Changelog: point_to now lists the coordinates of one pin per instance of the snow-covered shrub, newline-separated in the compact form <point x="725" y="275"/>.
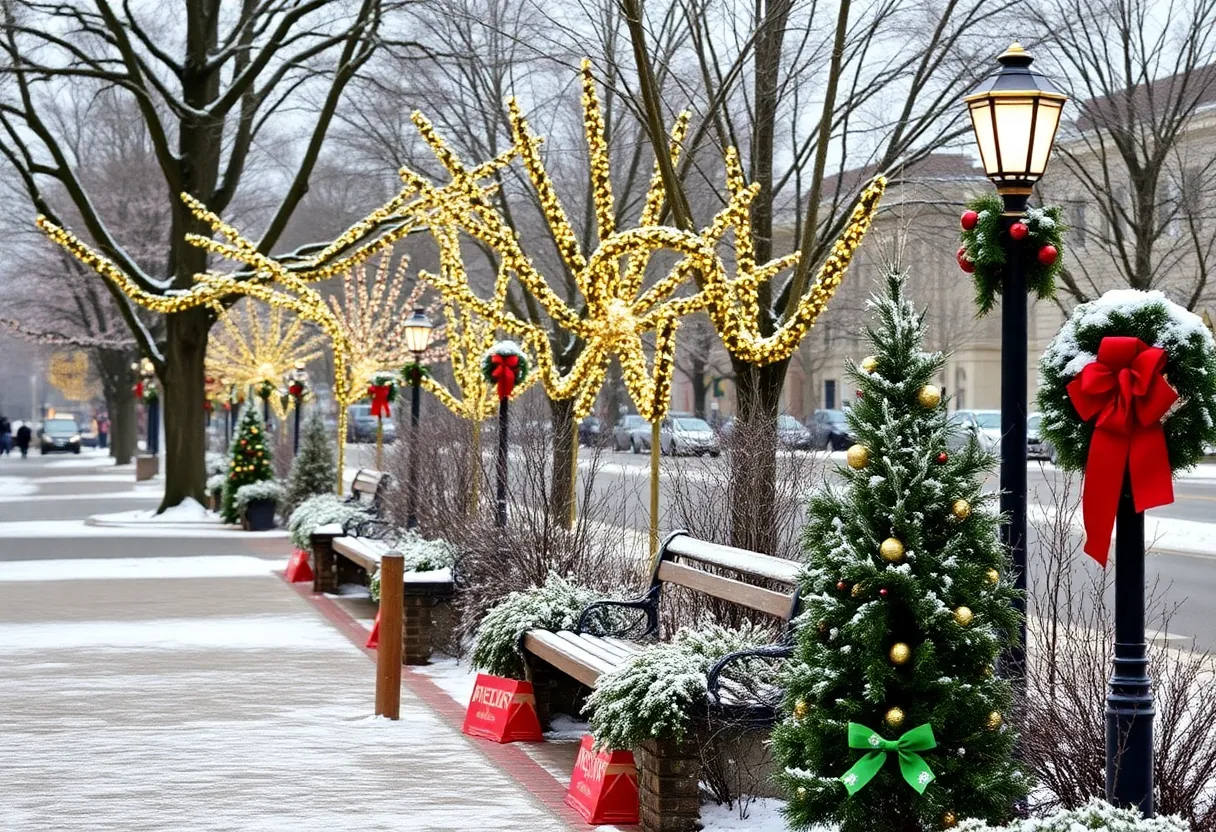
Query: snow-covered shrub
<point x="1097" y="815"/>
<point x="319" y="511"/>
<point x="264" y="490"/>
<point x="216" y="464"/>
<point x="554" y="606"/>
<point x="656" y="693"/>
<point x="420" y="554"/>
<point x="215" y="484"/>
<point x="314" y="469"/>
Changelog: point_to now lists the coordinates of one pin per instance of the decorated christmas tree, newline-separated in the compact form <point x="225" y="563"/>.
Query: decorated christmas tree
<point x="896" y="718"/>
<point x="250" y="463"/>
<point x="313" y="471"/>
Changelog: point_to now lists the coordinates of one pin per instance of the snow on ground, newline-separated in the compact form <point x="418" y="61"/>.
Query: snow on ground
<point x="90" y="459"/>
<point x="253" y="632"/>
<point x="188" y="512"/>
<point x="83" y="528"/>
<point x="133" y="494"/>
<point x="1161" y="533"/>
<point x="15" y="487"/>
<point x="763" y="815"/>
<point x="94" y="569"/>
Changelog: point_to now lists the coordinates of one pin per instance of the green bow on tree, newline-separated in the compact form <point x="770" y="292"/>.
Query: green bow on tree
<point x="913" y="767"/>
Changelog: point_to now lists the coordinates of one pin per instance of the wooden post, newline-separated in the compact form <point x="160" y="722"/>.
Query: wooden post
<point x="388" y="654"/>
<point x="379" y="443"/>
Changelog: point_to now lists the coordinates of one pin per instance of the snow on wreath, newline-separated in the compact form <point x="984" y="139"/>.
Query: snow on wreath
<point x="505" y="364"/>
<point x="1175" y="352"/>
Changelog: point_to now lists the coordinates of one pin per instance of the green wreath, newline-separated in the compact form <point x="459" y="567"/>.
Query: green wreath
<point x="266" y="389"/>
<point x="151" y="394"/>
<point x="408" y="372"/>
<point x="504" y="348"/>
<point x="385" y="379"/>
<point x="982" y="252"/>
<point x="1190" y="368"/>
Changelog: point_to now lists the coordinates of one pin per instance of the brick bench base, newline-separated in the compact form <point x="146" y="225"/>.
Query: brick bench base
<point x="669" y="786"/>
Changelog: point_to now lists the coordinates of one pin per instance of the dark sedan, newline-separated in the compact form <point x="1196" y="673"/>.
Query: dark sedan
<point x="60" y="436"/>
<point x="830" y="430"/>
<point x="622" y="434"/>
<point x="589" y="432"/>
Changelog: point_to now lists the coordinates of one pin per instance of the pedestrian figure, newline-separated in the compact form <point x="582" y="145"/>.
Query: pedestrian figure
<point x="23" y="440"/>
<point x="103" y="430"/>
<point x="6" y="435"/>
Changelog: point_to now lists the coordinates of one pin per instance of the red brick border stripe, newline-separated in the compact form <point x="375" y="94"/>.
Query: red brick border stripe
<point x="508" y="758"/>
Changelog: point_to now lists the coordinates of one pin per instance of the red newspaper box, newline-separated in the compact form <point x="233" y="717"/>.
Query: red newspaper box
<point x="502" y="710"/>
<point x="604" y="785"/>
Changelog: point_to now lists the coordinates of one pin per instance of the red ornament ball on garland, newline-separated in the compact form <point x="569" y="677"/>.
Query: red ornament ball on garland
<point x="1048" y="255"/>
<point x="941" y="458"/>
<point x="970" y="219"/>
<point x="884" y="592"/>
<point x="842" y="586"/>
<point x="1019" y="231"/>
<point x="859" y="393"/>
<point x="964" y="263"/>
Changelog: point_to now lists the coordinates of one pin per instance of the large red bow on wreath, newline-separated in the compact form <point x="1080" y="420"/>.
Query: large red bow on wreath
<point x="138" y="390"/>
<point x="379" y="394"/>
<point x="502" y="370"/>
<point x="1127" y="393"/>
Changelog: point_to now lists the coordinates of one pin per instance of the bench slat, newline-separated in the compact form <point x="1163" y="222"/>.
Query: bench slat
<point x="594" y="645"/>
<point x="566" y="657"/>
<point x="366" y="553"/>
<point x="740" y="560"/>
<point x="764" y="600"/>
<point x="617" y="647"/>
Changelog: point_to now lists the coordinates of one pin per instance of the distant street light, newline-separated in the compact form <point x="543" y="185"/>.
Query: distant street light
<point x="418" y="330"/>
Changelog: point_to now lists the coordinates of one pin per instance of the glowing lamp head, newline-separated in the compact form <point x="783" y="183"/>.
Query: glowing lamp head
<point x="1015" y="113"/>
<point x="418" y="331"/>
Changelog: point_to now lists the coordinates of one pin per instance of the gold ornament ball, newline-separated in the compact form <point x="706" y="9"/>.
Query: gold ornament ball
<point x="892" y="550"/>
<point x="961" y="509"/>
<point x="894" y="717"/>
<point x="869" y="364"/>
<point x="949" y="819"/>
<point x="994" y="721"/>
<point x="963" y="616"/>
<point x="929" y="396"/>
<point x="988" y="672"/>
<point x="802" y="791"/>
<point x="800" y="709"/>
<point x="857" y="591"/>
<point x="899" y="653"/>
<point x="858" y="456"/>
<point x="993" y="576"/>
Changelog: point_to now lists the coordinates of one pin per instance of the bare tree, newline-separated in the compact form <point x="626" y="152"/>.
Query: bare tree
<point x="1140" y="183"/>
<point x="883" y="82"/>
<point x="209" y="87"/>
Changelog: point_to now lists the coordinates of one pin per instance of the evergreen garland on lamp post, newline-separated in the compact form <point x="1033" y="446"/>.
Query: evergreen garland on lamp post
<point x="1128" y="397"/>
<point x="504" y="365"/>
<point x="297" y="388"/>
<point x="417" y="331"/>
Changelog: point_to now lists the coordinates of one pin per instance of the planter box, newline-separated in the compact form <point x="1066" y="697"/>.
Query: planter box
<point x="259" y="515"/>
<point x="147" y="466"/>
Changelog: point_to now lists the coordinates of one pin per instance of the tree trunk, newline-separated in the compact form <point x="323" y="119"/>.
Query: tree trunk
<point x="182" y="381"/>
<point x="563" y="423"/>
<point x="120" y="402"/>
<point x="753" y="469"/>
<point x="700" y="395"/>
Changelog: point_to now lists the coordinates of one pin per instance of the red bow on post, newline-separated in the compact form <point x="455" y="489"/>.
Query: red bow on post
<point x="379" y="394"/>
<point x="1127" y="393"/>
<point x="138" y="390"/>
<point x="502" y="370"/>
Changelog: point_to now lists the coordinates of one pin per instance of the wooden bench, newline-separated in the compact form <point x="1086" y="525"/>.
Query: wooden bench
<point x="760" y="583"/>
<point x="369" y="486"/>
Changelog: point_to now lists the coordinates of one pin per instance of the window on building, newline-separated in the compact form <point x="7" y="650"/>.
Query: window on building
<point x="829" y="394"/>
<point x="1192" y="197"/>
<point x="1078" y="223"/>
<point x="1169" y="203"/>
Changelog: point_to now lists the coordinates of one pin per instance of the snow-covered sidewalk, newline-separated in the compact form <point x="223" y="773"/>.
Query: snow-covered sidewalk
<point x="203" y="694"/>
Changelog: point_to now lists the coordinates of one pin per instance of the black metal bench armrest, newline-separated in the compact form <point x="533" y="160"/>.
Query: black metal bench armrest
<point x="775" y="651"/>
<point x="374" y="528"/>
<point x="648" y="603"/>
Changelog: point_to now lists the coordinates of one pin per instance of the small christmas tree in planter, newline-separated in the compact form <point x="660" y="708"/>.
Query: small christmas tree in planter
<point x="314" y="470"/>
<point x="908" y="603"/>
<point x="250" y="461"/>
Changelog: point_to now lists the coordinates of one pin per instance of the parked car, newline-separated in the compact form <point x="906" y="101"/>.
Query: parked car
<point x="984" y="425"/>
<point x="829" y="430"/>
<point x="639" y="436"/>
<point x="361" y="425"/>
<point x="59" y="435"/>
<point x="589" y="431"/>
<point x="687" y="435"/>
<point x="1036" y="446"/>
<point x="790" y="433"/>
<point x="622" y="433"/>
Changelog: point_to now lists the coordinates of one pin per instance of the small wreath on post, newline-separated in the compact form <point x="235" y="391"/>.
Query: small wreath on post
<point x="1128" y="385"/>
<point x="266" y="389"/>
<point x="297" y="389"/>
<point x="505" y="364"/>
<point x="414" y="372"/>
<point x="149" y="394"/>
<point x="982" y="254"/>
<point x="383" y="392"/>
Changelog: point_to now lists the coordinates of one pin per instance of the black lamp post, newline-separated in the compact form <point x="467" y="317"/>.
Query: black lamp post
<point x="148" y="375"/>
<point x="417" y="338"/>
<point x="297" y="383"/>
<point x="1015" y="113"/>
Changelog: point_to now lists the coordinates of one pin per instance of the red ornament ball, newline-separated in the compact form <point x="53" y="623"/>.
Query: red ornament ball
<point x="1019" y="231"/>
<point x="963" y="262"/>
<point x="884" y="592"/>
<point x="842" y="586"/>
<point x="969" y="220"/>
<point x="859" y="393"/>
<point x="1048" y="255"/>
<point x="941" y="458"/>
